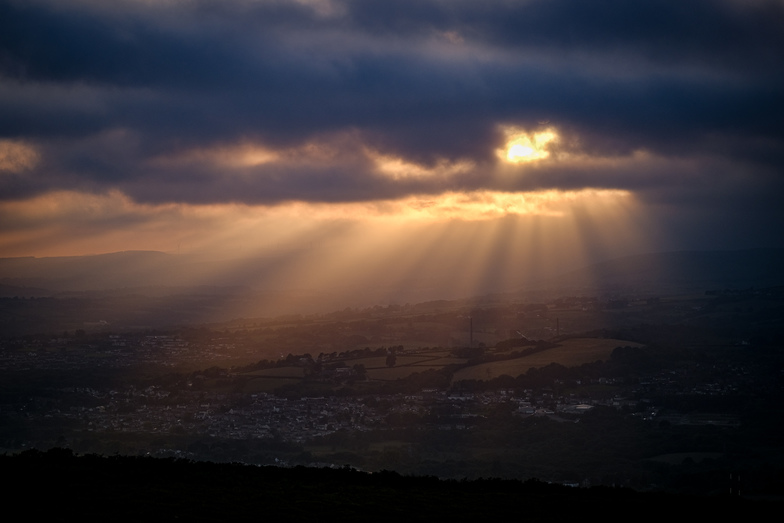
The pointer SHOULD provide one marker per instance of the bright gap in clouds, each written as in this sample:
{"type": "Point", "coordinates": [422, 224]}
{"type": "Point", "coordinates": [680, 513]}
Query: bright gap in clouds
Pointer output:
{"type": "Point", "coordinates": [527, 146]}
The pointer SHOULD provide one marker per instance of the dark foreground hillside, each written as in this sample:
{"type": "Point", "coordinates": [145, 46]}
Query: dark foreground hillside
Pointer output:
{"type": "Point", "coordinates": [58, 485]}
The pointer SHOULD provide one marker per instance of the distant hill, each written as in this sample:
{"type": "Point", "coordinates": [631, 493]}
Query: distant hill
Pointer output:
{"type": "Point", "coordinates": [143, 270]}
{"type": "Point", "coordinates": [78, 273]}
{"type": "Point", "coordinates": [9, 291]}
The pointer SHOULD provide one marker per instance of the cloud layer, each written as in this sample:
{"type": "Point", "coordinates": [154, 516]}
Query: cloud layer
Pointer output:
{"type": "Point", "coordinates": [254, 102]}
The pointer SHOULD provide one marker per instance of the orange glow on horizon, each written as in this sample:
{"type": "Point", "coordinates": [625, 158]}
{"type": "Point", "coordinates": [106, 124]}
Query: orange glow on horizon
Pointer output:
{"type": "Point", "coordinates": [71, 223]}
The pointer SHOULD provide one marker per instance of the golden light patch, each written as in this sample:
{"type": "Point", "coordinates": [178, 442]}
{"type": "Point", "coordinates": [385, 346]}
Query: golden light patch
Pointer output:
{"type": "Point", "coordinates": [485, 205]}
{"type": "Point", "coordinates": [523, 146]}
{"type": "Point", "coordinates": [468, 206]}
{"type": "Point", "coordinates": [249, 156]}
{"type": "Point", "coordinates": [465, 206]}
{"type": "Point", "coordinates": [233, 156]}
{"type": "Point", "coordinates": [17, 156]}
{"type": "Point", "coordinates": [68, 206]}
{"type": "Point", "coordinates": [397, 168]}
{"type": "Point", "coordinates": [238, 157]}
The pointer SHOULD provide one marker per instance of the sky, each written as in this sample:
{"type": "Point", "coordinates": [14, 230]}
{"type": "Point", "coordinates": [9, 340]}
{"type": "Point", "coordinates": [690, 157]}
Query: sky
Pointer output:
{"type": "Point", "coordinates": [368, 140]}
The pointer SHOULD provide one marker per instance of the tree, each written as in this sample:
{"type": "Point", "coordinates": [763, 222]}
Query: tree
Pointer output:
{"type": "Point", "coordinates": [360, 371]}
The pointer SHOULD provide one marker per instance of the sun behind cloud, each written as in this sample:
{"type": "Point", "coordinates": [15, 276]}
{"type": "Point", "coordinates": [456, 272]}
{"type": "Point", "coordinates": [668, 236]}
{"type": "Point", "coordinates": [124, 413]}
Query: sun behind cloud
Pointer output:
{"type": "Point", "coordinates": [525, 146]}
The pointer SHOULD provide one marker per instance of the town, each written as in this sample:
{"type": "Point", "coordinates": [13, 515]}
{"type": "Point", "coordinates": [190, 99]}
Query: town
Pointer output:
{"type": "Point", "coordinates": [682, 393]}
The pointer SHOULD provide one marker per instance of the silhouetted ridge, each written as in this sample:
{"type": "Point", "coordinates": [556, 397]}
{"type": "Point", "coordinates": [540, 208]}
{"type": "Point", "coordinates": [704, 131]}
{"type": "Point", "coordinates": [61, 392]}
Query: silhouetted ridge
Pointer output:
{"type": "Point", "coordinates": [138, 488]}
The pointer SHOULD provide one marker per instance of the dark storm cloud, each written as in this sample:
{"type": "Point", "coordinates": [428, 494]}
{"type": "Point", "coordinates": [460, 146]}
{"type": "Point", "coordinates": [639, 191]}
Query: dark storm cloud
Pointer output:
{"type": "Point", "coordinates": [737, 34]}
{"type": "Point", "coordinates": [102, 90]}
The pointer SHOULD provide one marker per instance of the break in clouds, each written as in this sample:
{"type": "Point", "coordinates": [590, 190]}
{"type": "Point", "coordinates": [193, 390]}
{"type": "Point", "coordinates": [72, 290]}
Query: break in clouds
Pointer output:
{"type": "Point", "coordinates": [262, 102]}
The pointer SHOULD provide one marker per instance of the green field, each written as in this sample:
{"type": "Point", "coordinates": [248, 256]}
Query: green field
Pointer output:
{"type": "Point", "coordinates": [394, 373]}
{"type": "Point", "coordinates": [438, 359]}
{"type": "Point", "coordinates": [568, 353]}
{"type": "Point", "coordinates": [279, 372]}
{"type": "Point", "coordinates": [369, 363]}
{"type": "Point", "coordinates": [405, 365]}
{"type": "Point", "coordinates": [447, 361]}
